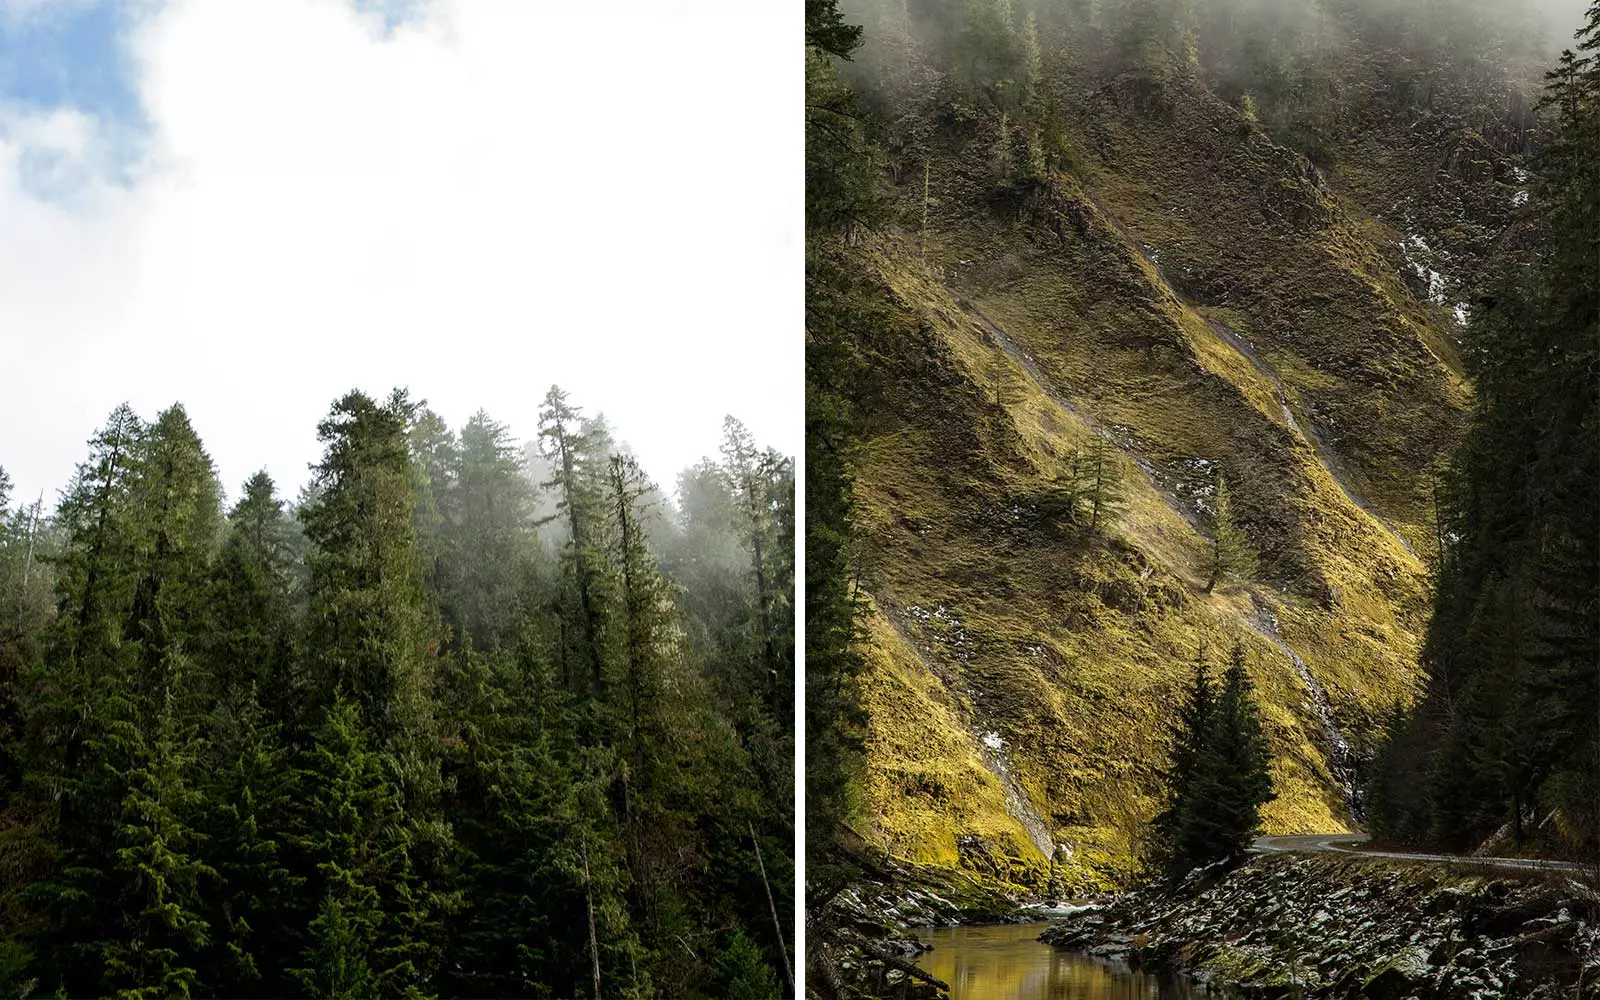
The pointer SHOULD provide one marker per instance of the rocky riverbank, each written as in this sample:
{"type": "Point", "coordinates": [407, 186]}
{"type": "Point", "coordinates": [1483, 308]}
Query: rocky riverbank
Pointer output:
{"type": "Point", "coordinates": [861, 917]}
{"type": "Point", "coordinates": [1334, 926]}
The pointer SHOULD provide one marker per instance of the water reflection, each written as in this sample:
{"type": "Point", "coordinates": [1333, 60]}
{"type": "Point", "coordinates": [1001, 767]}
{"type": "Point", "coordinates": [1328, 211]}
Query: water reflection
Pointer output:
{"type": "Point", "coordinates": [1007, 962]}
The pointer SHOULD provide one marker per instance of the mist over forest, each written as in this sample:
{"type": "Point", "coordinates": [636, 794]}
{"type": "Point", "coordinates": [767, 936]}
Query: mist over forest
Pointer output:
{"type": "Point", "coordinates": [465, 716]}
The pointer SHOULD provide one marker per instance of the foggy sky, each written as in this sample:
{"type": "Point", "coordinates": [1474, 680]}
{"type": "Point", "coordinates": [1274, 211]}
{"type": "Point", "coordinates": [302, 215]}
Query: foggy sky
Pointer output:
{"type": "Point", "coordinates": [499, 196]}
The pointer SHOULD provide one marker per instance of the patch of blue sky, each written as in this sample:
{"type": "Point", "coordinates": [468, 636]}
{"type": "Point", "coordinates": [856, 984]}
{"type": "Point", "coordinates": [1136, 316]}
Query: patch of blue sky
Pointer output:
{"type": "Point", "coordinates": [391, 14]}
{"type": "Point", "coordinates": [74, 54]}
{"type": "Point", "coordinates": [71, 53]}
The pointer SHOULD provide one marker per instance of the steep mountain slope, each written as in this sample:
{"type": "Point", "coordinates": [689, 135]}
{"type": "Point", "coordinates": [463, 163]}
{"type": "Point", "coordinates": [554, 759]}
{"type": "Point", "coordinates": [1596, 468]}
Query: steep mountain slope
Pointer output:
{"type": "Point", "coordinates": [1181, 285]}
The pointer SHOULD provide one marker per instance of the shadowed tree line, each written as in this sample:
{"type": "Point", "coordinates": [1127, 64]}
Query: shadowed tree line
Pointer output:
{"type": "Point", "coordinates": [1505, 742]}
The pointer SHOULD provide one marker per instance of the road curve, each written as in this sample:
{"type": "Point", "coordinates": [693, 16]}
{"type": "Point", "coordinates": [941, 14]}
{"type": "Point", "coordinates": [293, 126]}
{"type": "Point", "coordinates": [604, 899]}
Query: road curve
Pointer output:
{"type": "Point", "coordinates": [1346, 843]}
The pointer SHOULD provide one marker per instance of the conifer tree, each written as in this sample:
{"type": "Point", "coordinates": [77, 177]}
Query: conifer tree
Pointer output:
{"type": "Point", "coordinates": [1070, 490]}
{"type": "Point", "coordinates": [751, 486]}
{"type": "Point", "coordinates": [366, 628]}
{"type": "Point", "coordinates": [1515, 633]}
{"type": "Point", "coordinates": [435, 457]}
{"type": "Point", "coordinates": [78, 708]}
{"type": "Point", "coordinates": [1175, 828]}
{"type": "Point", "coordinates": [1243, 779]}
{"type": "Point", "coordinates": [644, 609]}
{"type": "Point", "coordinates": [743, 971]}
{"type": "Point", "coordinates": [1032, 60]}
{"type": "Point", "coordinates": [1230, 556]}
{"type": "Point", "coordinates": [573, 450]}
{"type": "Point", "coordinates": [263, 771]}
{"type": "Point", "coordinates": [492, 537]}
{"type": "Point", "coordinates": [1218, 774]}
{"type": "Point", "coordinates": [248, 613]}
{"type": "Point", "coordinates": [249, 797]}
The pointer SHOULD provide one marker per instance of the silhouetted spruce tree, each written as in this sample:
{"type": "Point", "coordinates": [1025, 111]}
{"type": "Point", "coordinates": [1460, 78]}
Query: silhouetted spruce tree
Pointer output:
{"type": "Point", "coordinates": [1218, 775]}
{"type": "Point", "coordinates": [1242, 777]}
{"type": "Point", "coordinates": [1176, 828]}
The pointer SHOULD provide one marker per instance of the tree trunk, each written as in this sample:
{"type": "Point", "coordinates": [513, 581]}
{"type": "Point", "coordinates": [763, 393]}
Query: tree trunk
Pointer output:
{"type": "Point", "coordinates": [588, 898]}
{"type": "Point", "coordinates": [33, 522]}
{"type": "Point", "coordinates": [783, 949]}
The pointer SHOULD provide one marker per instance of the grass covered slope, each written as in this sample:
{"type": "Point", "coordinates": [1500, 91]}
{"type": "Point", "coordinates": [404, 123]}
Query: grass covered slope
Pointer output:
{"type": "Point", "coordinates": [1201, 298]}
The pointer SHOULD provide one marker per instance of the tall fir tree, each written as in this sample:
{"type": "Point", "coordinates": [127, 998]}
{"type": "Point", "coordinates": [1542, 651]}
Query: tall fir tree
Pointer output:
{"type": "Point", "coordinates": [575, 452]}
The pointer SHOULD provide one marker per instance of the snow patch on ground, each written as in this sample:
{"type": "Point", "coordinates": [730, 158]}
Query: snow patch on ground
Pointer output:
{"type": "Point", "coordinates": [1413, 247]}
{"type": "Point", "coordinates": [993, 741]}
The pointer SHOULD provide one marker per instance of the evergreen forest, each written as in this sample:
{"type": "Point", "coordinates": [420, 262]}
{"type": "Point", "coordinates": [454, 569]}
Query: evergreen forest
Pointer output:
{"type": "Point", "coordinates": [466, 716]}
{"type": "Point", "coordinates": [1505, 740]}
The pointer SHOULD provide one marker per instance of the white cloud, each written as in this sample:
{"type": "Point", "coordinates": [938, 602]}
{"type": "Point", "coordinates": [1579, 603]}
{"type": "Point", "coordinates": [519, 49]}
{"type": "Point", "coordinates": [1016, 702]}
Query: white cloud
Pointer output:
{"type": "Point", "coordinates": [493, 197]}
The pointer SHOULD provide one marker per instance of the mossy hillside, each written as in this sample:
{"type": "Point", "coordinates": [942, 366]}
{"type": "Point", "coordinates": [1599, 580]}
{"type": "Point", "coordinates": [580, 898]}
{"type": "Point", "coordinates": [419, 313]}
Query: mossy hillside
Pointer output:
{"type": "Point", "coordinates": [1154, 374]}
{"type": "Point", "coordinates": [1143, 299]}
{"type": "Point", "coordinates": [1242, 223]}
{"type": "Point", "coordinates": [1070, 653]}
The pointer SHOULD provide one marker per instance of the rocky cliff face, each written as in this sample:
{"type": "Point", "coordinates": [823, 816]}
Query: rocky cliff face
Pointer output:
{"type": "Point", "coordinates": [1334, 927]}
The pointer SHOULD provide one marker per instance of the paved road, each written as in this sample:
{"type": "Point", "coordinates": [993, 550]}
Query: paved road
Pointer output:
{"type": "Point", "coordinates": [1346, 843]}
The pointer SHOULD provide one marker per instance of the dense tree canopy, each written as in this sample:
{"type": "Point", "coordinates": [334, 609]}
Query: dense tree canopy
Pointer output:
{"type": "Point", "coordinates": [465, 720]}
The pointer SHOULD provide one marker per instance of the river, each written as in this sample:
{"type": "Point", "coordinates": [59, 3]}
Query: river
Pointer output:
{"type": "Point", "coordinates": [1007, 962]}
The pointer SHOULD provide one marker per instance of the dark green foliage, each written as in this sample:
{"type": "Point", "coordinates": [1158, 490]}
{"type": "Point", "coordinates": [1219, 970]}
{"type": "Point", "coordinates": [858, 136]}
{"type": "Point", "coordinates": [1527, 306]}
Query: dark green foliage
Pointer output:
{"type": "Point", "coordinates": [1507, 734]}
{"type": "Point", "coordinates": [250, 786]}
{"type": "Point", "coordinates": [364, 939]}
{"type": "Point", "coordinates": [835, 719]}
{"type": "Point", "coordinates": [742, 973]}
{"type": "Point", "coordinates": [575, 449]}
{"type": "Point", "coordinates": [841, 176]}
{"type": "Point", "coordinates": [1231, 557]}
{"type": "Point", "coordinates": [1218, 776]}
{"type": "Point", "coordinates": [161, 883]}
{"type": "Point", "coordinates": [366, 627]}
{"type": "Point", "coordinates": [827, 30]}
{"type": "Point", "coordinates": [419, 749]}
{"type": "Point", "coordinates": [248, 614]}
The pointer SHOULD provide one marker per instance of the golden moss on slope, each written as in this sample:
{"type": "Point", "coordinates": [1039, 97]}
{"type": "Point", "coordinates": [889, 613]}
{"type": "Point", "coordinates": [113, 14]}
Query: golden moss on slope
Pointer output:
{"type": "Point", "coordinates": [1023, 675]}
